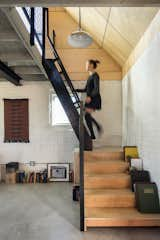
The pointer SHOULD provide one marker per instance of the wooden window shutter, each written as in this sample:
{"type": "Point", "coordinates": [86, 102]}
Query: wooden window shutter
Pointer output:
{"type": "Point", "coordinates": [16, 120]}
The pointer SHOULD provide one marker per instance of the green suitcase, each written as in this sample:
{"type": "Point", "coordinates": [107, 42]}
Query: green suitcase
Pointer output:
{"type": "Point", "coordinates": [147, 199]}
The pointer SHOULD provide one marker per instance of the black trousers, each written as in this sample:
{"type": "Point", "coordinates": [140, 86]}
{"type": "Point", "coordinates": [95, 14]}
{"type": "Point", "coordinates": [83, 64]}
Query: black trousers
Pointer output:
{"type": "Point", "coordinates": [90, 121]}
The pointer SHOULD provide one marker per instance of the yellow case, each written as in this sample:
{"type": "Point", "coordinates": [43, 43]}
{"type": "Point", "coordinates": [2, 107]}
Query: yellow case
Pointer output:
{"type": "Point", "coordinates": [131, 151]}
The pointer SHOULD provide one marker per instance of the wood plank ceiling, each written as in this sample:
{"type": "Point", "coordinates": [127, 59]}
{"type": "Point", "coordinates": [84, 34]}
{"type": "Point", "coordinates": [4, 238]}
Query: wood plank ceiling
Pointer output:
{"type": "Point", "coordinates": [117, 30]}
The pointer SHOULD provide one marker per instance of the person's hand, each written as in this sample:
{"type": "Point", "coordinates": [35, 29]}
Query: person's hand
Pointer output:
{"type": "Point", "coordinates": [88, 99]}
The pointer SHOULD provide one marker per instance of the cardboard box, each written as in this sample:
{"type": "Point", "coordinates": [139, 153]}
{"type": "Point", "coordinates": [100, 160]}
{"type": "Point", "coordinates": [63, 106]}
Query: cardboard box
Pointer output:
{"type": "Point", "coordinates": [2, 172]}
{"type": "Point", "coordinates": [10, 178]}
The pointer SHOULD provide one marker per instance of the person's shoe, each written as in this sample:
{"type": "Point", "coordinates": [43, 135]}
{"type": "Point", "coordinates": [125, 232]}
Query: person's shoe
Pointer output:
{"type": "Point", "coordinates": [100, 130]}
{"type": "Point", "coordinates": [93, 137]}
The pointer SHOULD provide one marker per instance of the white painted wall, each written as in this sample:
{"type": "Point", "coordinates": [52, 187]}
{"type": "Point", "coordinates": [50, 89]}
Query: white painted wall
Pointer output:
{"type": "Point", "coordinates": [55, 144]}
{"type": "Point", "coordinates": [110, 115]}
{"type": "Point", "coordinates": [141, 108]}
{"type": "Point", "coordinates": [47, 143]}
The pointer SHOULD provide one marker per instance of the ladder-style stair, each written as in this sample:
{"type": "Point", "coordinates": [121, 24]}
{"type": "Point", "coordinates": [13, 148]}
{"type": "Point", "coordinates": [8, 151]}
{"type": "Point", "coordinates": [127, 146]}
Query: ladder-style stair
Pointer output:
{"type": "Point", "coordinates": [63, 86]}
{"type": "Point", "coordinates": [108, 199]}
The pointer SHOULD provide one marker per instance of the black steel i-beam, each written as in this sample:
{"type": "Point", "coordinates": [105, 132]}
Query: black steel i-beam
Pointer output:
{"type": "Point", "coordinates": [9, 74]}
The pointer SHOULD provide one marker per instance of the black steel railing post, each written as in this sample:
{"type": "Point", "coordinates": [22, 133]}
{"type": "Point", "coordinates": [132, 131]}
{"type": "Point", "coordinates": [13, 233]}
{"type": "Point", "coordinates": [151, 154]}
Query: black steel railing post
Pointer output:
{"type": "Point", "coordinates": [31, 18]}
{"type": "Point", "coordinates": [81, 157]}
{"type": "Point", "coordinates": [32, 27]}
{"type": "Point", "coordinates": [44, 34]}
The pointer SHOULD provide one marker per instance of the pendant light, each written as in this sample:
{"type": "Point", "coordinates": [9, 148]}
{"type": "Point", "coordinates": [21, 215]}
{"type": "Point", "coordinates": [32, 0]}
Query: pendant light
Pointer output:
{"type": "Point", "coordinates": [79, 38]}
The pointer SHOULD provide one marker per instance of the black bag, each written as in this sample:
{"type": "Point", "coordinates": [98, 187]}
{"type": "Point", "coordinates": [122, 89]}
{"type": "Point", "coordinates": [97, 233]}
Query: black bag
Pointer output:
{"type": "Point", "coordinates": [20, 177]}
{"type": "Point", "coordinates": [147, 199]}
{"type": "Point", "coordinates": [45, 176]}
{"type": "Point", "coordinates": [12, 167]}
{"type": "Point", "coordinates": [76, 193]}
{"type": "Point", "coordinates": [139, 176]}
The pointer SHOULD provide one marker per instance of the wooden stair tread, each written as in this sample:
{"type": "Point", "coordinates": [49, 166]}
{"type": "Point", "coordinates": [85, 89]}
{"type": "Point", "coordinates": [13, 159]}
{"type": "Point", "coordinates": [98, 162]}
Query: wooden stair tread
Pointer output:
{"type": "Point", "coordinates": [118, 213]}
{"type": "Point", "coordinates": [102, 166]}
{"type": "Point", "coordinates": [107, 175]}
{"type": "Point", "coordinates": [109, 149]}
{"type": "Point", "coordinates": [89, 159]}
{"type": "Point", "coordinates": [107, 155]}
{"type": "Point", "coordinates": [99, 151]}
{"type": "Point", "coordinates": [107, 181]}
{"type": "Point", "coordinates": [108, 198]}
{"type": "Point", "coordinates": [109, 192]}
{"type": "Point", "coordinates": [120, 161]}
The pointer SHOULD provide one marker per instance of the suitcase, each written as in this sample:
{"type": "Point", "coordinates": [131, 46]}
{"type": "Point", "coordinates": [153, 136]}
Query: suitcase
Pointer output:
{"type": "Point", "coordinates": [139, 176]}
{"type": "Point", "coordinates": [147, 199]}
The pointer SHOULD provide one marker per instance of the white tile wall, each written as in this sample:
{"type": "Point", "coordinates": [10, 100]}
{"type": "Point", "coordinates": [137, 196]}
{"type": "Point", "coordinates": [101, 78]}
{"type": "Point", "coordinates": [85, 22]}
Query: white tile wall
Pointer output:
{"type": "Point", "coordinates": [56, 144]}
{"type": "Point", "coordinates": [47, 143]}
{"type": "Point", "coordinates": [141, 108]}
{"type": "Point", "coordinates": [110, 115]}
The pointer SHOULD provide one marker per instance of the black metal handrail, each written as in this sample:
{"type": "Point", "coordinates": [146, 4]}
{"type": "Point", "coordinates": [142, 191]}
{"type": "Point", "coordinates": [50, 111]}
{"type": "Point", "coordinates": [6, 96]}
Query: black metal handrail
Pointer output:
{"type": "Point", "coordinates": [60, 69]}
{"type": "Point", "coordinates": [57, 58]}
{"type": "Point", "coordinates": [81, 158]}
{"type": "Point", "coordinates": [30, 14]}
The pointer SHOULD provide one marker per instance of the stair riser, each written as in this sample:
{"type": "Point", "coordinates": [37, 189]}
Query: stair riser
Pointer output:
{"type": "Point", "coordinates": [103, 168]}
{"type": "Point", "coordinates": [109, 202]}
{"type": "Point", "coordinates": [101, 183]}
{"type": "Point", "coordinates": [103, 156]}
{"type": "Point", "coordinates": [121, 223]}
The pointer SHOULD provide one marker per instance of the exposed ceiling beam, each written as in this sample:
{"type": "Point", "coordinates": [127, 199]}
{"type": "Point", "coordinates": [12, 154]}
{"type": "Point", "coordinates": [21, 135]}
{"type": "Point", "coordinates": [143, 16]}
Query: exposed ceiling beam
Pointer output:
{"type": "Point", "coordinates": [30, 77]}
{"type": "Point", "coordinates": [20, 62]}
{"type": "Point", "coordinates": [7, 73]}
{"type": "Point", "coordinates": [22, 33]}
{"type": "Point", "coordinates": [116, 3]}
{"type": "Point", "coordinates": [25, 70]}
{"type": "Point", "coordinates": [15, 56]}
{"type": "Point", "coordinates": [8, 36]}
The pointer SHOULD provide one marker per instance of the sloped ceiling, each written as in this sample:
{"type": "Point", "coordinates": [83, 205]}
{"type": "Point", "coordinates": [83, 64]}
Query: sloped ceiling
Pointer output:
{"type": "Point", "coordinates": [117, 30]}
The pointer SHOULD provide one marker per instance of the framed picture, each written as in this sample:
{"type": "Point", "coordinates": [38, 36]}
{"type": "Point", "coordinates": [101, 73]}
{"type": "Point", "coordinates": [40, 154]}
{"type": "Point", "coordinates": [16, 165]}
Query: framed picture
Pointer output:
{"type": "Point", "coordinates": [58, 172]}
{"type": "Point", "coordinates": [136, 164]}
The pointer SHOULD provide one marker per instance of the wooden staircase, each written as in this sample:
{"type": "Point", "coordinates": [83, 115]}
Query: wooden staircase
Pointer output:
{"type": "Point", "coordinates": [108, 199]}
{"type": "Point", "coordinates": [105, 196]}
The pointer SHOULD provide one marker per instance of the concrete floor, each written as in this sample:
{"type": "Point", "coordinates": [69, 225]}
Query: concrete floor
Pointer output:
{"type": "Point", "coordinates": [46, 212]}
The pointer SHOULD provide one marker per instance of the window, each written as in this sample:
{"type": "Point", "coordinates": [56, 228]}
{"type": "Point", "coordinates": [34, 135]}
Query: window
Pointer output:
{"type": "Point", "coordinates": [16, 122]}
{"type": "Point", "coordinates": [57, 113]}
